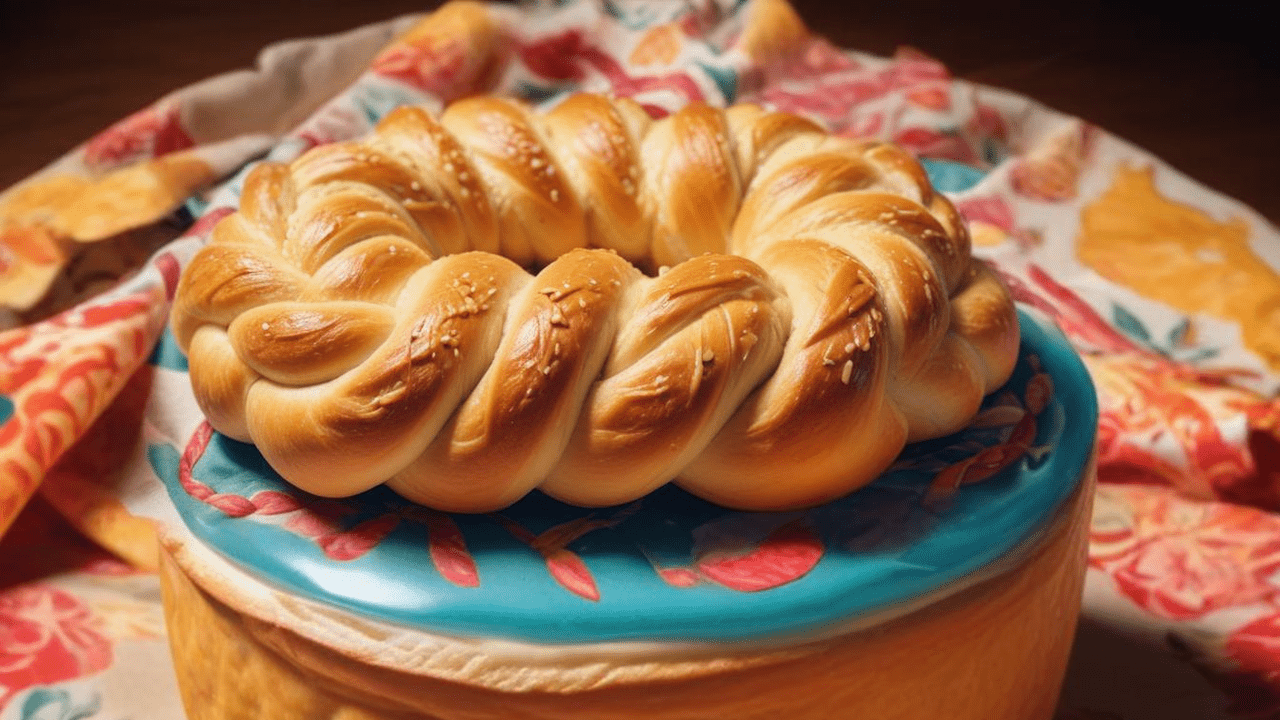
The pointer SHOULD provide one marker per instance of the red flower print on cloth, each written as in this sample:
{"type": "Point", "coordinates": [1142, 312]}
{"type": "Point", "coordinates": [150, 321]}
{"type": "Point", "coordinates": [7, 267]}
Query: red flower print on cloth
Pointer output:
{"type": "Point", "coordinates": [431, 68]}
{"type": "Point", "coordinates": [931, 97]}
{"type": "Point", "coordinates": [1182, 559]}
{"type": "Point", "coordinates": [992, 221]}
{"type": "Point", "coordinates": [1255, 648]}
{"type": "Point", "coordinates": [1083, 326]}
{"type": "Point", "coordinates": [150, 132]}
{"type": "Point", "coordinates": [988, 122]}
{"type": "Point", "coordinates": [832, 95]}
{"type": "Point", "coordinates": [1253, 681]}
{"type": "Point", "coordinates": [568, 56]}
{"type": "Point", "coordinates": [1242, 664]}
{"type": "Point", "coordinates": [46, 635]}
{"type": "Point", "coordinates": [930, 143]}
{"type": "Point", "coordinates": [816, 58]}
{"type": "Point", "coordinates": [556, 57]}
{"type": "Point", "coordinates": [990, 209]}
{"type": "Point", "coordinates": [1163, 421]}
{"type": "Point", "coordinates": [60, 374]}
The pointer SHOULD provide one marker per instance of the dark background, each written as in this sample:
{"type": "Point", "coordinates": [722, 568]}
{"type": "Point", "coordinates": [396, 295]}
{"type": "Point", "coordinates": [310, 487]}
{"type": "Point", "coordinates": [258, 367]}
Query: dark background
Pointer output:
{"type": "Point", "coordinates": [1196, 85]}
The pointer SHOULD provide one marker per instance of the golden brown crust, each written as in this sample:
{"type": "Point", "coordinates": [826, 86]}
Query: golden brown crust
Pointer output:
{"type": "Point", "coordinates": [343, 323]}
{"type": "Point", "coordinates": [773, 30]}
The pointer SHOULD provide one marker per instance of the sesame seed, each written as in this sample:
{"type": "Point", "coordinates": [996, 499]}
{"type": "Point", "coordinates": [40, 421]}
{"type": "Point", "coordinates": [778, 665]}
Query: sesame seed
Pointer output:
{"type": "Point", "coordinates": [846, 374]}
{"type": "Point", "coordinates": [266, 326]}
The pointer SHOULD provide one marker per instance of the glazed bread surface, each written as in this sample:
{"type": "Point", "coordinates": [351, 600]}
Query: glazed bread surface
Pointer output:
{"type": "Point", "coordinates": [592, 303]}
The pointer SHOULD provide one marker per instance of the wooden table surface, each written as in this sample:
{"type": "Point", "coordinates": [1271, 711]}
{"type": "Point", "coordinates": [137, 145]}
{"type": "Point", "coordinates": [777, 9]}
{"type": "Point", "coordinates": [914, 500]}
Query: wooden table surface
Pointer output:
{"type": "Point", "coordinates": [1197, 89]}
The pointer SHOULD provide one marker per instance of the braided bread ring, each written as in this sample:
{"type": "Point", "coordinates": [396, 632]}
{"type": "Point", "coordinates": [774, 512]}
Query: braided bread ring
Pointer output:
{"type": "Point", "coordinates": [811, 306]}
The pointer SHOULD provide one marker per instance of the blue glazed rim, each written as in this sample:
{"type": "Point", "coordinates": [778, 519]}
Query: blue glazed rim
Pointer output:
{"type": "Point", "coordinates": [670, 567]}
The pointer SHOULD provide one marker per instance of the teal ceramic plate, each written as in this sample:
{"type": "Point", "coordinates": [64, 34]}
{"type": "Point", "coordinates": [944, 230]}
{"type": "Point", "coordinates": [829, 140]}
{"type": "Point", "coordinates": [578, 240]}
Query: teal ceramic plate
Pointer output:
{"type": "Point", "coordinates": [669, 566]}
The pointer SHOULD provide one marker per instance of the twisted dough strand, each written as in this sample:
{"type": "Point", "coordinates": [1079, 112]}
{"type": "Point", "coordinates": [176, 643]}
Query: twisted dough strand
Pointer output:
{"type": "Point", "coordinates": [811, 306]}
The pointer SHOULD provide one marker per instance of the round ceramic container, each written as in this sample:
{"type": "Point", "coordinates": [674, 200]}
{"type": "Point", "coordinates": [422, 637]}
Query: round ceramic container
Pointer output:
{"type": "Point", "coordinates": [947, 588]}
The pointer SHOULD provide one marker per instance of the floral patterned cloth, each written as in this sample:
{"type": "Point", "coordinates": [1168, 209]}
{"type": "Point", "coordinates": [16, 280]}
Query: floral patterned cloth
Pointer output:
{"type": "Point", "coordinates": [1169, 290]}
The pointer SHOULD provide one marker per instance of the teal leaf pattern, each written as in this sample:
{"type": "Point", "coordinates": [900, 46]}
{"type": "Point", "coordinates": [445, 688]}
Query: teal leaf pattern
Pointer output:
{"type": "Point", "coordinates": [57, 704]}
{"type": "Point", "coordinates": [993, 152]}
{"type": "Point", "coordinates": [537, 93]}
{"type": "Point", "coordinates": [1130, 325]}
{"type": "Point", "coordinates": [1178, 335]}
{"type": "Point", "coordinates": [725, 79]}
{"type": "Point", "coordinates": [1175, 344]}
{"type": "Point", "coordinates": [631, 16]}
